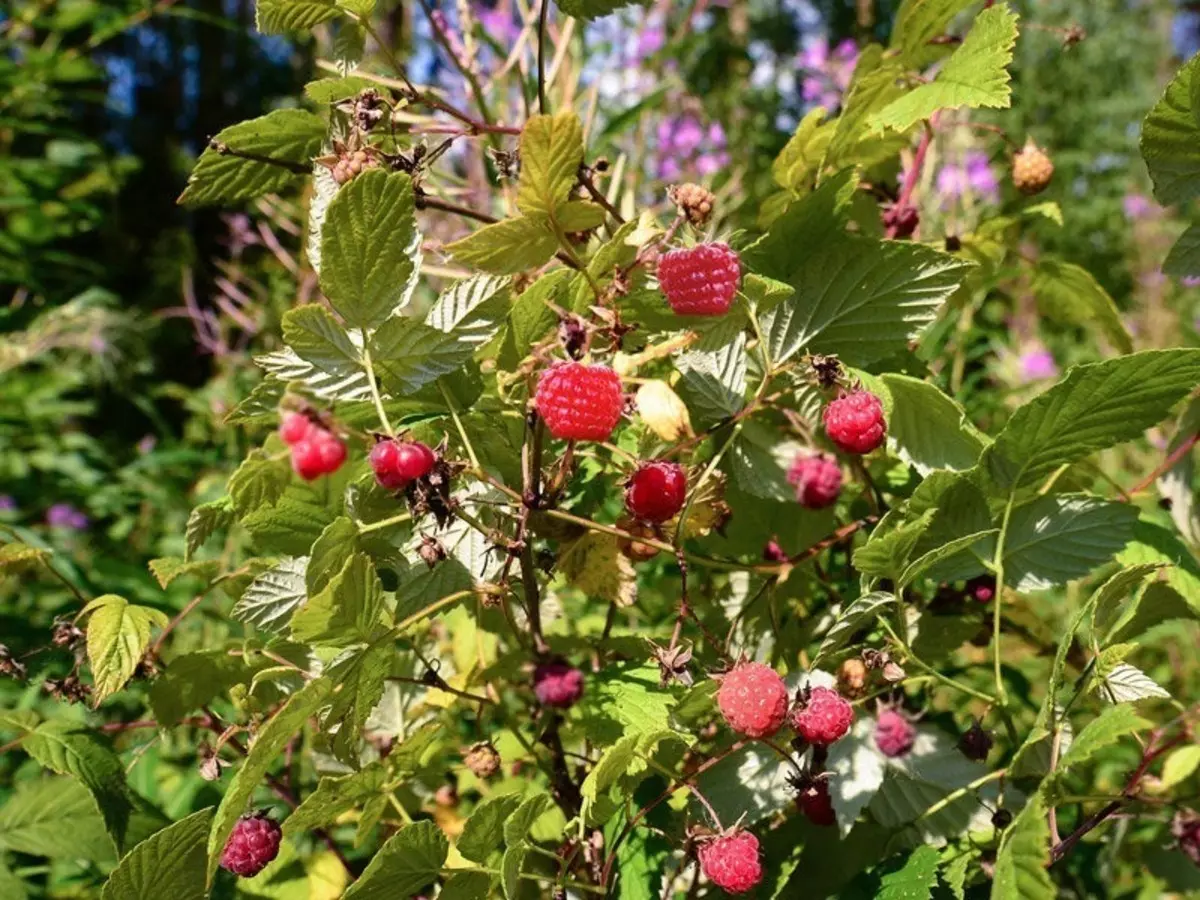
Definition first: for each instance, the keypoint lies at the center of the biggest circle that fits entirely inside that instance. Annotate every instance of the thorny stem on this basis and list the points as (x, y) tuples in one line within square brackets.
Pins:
[(585, 179)]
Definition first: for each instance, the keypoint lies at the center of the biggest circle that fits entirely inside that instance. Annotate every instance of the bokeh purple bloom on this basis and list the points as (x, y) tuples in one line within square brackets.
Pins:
[(64, 515), (687, 146), (973, 176), (1190, 281), (7, 503), (827, 73), (1137, 206), (1037, 364)]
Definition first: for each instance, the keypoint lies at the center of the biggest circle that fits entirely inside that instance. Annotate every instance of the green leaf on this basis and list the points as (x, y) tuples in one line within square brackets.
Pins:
[(915, 881), (271, 599), (1058, 538), (625, 699), (18, 557), (551, 152), (410, 860), (975, 75), (317, 338), (594, 9), (1024, 854), (1125, 683), (259, 481), (863, 300), (297, 518), (268, 744), (253, 158), (1094, 407), (887, 553), (471, 310), (332, 90), (877, 81), (530, 319), (370, 248), (928, 429), (517, 826), (508, 246), (118, 633), (168, 568), (333, 797), (941, 554), (512, 867), (168, 864), (1171, 138), (54, 817), (579, 215), (1103, 731), (484, 829), (286, 366), (360, 676), (467, 886), (1153, 544), (1184, 259), (1179, 765), (409, 354), (1158, 604), (1068, 293), (799, 160), (613, 763), (204, 521), (283, 16), (917, 23), (194, 680), (337, 543), (857, 615), (11, 886), (347, 611), (68, 750), (800, 233), (1112, 599), (714, 382)]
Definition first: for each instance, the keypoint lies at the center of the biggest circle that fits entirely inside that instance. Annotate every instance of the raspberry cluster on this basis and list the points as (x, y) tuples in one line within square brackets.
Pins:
[(731, 861), (396, 463), (855, 423), (315, 450), (557, 684), (753, 699), (579, 402), (252, 844), (656, 491), (700, 280), (482, 759), (822, 716), (350, 164), (817, 478), (1032, 169)]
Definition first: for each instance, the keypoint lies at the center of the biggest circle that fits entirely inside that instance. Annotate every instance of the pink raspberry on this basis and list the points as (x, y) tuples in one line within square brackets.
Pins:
[(982, 589), (396, 463), (252, 844), (817, 478), (579, 402), (656, 491), (894, 734), (557, 684), (854, 422), (753, 699), (318, 454), (815, 803), (700, 280), (822, 716), (731, 862), (295, 428)]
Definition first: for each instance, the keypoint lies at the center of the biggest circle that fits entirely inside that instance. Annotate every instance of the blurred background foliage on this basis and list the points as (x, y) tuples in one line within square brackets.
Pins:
[(129, 324)]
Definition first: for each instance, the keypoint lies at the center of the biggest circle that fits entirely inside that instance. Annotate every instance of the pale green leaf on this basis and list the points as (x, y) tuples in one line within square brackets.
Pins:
[(517, 826), (54, 817), (1024, 854), (335, 796), (1103, 731), (472, 309), (887, 553), (1184, 259), (346, 611), (359, 676), (1094, 407), (259, 481), (797, 164), (168, 568), (927, 429), (551, 151), (1179, 765), (272, 597), (467, 886), (370, 248), (316, 337), (508, 246), (204, 521), (1125, 683), (408, 354), (1058, 538), (168, 864), (975, 75), (118, 633), (411, 859), (255, 157), (483, 831), (920, 21), (511, 869)]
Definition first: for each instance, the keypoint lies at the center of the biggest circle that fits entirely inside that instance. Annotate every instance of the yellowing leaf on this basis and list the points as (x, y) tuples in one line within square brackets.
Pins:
[(595, 565), (551, 151), (118, 633), (662, 411)]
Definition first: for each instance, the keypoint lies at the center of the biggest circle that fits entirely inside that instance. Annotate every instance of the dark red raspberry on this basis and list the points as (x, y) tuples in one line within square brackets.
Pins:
[(396, 463), (772, 552), (700, 280), (982, 589), (901, 221), (975, 743), (854, 422), (753, 699), (894, 734), (415, 460), (731, 861), (557, 684), (579, 402), (817, 478), (252, 845), (656, 491), (815, 803), (383, 458), (822, 716), (295, 428)]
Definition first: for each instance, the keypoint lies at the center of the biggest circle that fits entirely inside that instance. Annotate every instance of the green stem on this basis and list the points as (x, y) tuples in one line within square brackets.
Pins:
[(960, 793), (375, 396), (384, 523), (462, 432), (930, 670), (998, 603)]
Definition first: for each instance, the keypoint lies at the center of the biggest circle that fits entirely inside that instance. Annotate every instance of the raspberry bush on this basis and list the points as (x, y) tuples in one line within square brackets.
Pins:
[(589, 546)]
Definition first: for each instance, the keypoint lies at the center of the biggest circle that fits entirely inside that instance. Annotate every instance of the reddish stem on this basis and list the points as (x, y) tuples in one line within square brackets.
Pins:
[(1177, 454), (913, 174)]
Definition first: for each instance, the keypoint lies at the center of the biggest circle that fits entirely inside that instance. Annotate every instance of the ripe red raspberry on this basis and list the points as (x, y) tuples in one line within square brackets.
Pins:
[(252, 845), (731, 862), (894, 734), (557, 684), (396, 463), (700, 280), (855, 422), (753, 699), (817, 478), (383, 457), (319, 454), (295, 428), (822, 716), (415, 460), (579, 402), (815, 803), (656, 491)]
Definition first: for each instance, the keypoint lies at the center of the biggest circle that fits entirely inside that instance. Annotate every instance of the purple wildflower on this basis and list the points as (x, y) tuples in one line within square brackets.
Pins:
[(1037, 364), (827, 74), (7, 503), (64, 515), (1137, 206), (974, 176), (685, 145)]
